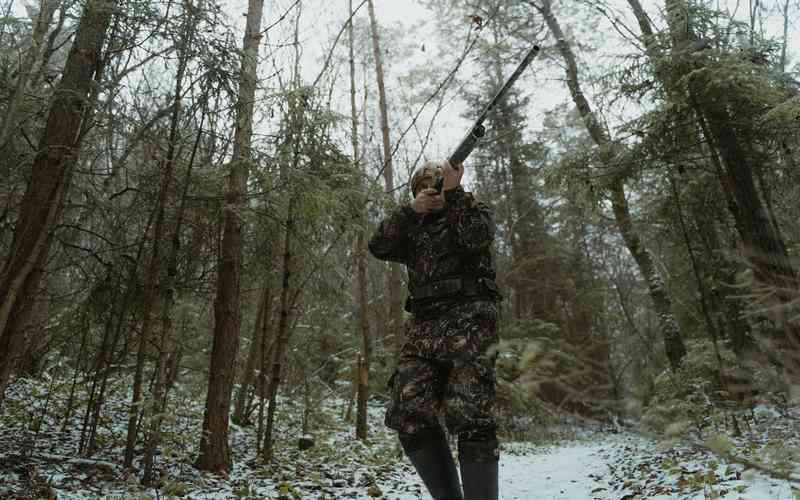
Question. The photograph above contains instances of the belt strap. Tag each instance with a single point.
(460, 285)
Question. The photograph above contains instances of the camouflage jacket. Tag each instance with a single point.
(453, 242)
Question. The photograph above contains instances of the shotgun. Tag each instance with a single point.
(477, 131)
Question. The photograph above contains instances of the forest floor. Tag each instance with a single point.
(581, 463)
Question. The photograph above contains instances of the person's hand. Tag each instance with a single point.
(452, 175)
(427, 201)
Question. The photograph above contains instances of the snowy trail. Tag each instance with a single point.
(614, 467)
(558, 473)
(561, 472)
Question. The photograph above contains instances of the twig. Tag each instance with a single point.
(280, 19)
(335, 42)
(470, 44)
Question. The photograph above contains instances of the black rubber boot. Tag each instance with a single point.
(479, 469)
(430, 454)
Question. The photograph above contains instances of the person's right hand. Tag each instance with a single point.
(427, 201)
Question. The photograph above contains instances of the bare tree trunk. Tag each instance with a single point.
(353, 392)
(360, 253)
(41, 205)
(266, 352)
(785, 42)
(104, 364)
(71, 397)
(668, 326)
(86, 443)
(294, 134)
(266, 344)
(214, 447)
(282, 336)
(262, 319)
(395, 299)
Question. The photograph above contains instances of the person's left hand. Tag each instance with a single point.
(452, 175)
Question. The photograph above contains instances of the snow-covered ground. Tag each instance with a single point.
(612, 467)
(590, 465)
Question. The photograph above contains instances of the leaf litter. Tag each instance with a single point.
(38, 459)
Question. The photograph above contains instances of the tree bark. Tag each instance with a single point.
(282, 336)
(93, 405)
(214, 446)
(254, 355)
(360, 253)
(263, 366)
(785, 35)
(52, 171)
(668, 326)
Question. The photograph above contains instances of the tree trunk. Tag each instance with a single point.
(266, 350)
(785, 41)
(167, 354)
(395, 299)
(265, 345)
(89, 426)
(73, 385)
(282, 336)
(294, 135)
(668, 326)
(254, 355)
(214, 447)
(105, 361)
(52, 168)
(360, 253)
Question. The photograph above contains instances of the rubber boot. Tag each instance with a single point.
(430, 454)
(479, 461)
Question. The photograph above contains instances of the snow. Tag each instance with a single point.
(586, 470)
(590, 464)
(558, 472)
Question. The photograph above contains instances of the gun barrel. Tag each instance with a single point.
(477, 131)
(468, 144)
(511, 80)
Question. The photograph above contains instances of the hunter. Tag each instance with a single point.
(445, 372)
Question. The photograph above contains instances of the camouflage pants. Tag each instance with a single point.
(446, 368)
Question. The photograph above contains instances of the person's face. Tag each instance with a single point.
(426, 183)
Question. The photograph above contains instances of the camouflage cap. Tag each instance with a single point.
(428, 172)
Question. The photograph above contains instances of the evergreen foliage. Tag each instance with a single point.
(698, 112)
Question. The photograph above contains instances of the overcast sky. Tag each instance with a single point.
(543, 81)
(322, 20)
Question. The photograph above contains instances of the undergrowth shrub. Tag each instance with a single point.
(693, 396)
